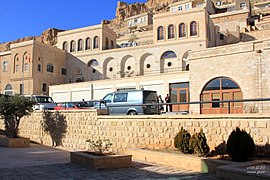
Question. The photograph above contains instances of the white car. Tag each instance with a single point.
(42, 102)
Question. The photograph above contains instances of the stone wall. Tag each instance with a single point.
(231, 61)
(144, 131)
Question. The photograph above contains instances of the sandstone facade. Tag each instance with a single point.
(184, 46)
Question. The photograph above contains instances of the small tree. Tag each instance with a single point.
(12, 109)
(181, 141)
(240, 145)
(132, 38)
(99, 146)
(198, 144)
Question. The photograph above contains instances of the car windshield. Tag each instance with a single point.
(44, 99)
(82, 104)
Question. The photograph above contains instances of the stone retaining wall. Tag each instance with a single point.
(144, 131)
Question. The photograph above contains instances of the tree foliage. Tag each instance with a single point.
(198, 144)
(181, 141)
(240, 145)
(12, 109)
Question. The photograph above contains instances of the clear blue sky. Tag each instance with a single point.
(20, 18)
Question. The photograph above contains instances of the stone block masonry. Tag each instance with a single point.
(154, 131)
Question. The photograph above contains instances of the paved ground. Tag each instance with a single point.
(41, 162)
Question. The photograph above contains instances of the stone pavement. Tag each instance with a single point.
(41, 162)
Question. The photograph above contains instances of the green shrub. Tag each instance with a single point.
(240, 145)
(198, 144)
(181, 141)
(12, 109)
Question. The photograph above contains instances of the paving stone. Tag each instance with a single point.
(52, 164)
(70, 172)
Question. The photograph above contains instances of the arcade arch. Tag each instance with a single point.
(128, 66)
(168, 61)
(109, 68)
(147, 64)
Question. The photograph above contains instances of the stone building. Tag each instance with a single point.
(192, 50)
(30, 67)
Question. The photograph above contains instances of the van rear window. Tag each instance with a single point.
(44, 99)
(149, 97)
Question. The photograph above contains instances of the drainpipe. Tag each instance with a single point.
(259, 59)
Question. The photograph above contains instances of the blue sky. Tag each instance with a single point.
(20, 18)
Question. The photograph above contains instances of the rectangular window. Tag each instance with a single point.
(179, 8)
(121, 97)
(26, 67)
(242, 5)
(221, 36)
(44, 87)
(187, 6)
(21, 89)
(64, 71)
(5, 63)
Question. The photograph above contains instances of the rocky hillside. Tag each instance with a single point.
(49, 37)
(125, 10)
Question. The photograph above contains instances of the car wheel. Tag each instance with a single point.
(132, 113)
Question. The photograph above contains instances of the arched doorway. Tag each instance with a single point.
(221, 88)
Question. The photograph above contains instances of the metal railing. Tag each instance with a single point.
(229, 103)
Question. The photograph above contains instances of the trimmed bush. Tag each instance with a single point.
(198, 144)
(240, 145)
(181, 141)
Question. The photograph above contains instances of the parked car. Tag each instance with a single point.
(42, 102)
(130, 102)
(75, 105)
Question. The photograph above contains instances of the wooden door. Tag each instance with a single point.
(180, 95)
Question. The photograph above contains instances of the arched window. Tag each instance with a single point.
(8, 89)
(39, 67)
(160, 33)
(168, 54)
(182, 30)
(193, 29)
(80, 45)
(50, 68)
(106, 43)
(171, 31)
(221, 89)
(96, 42)
(65, 46)
(72, 46)
(87, 43)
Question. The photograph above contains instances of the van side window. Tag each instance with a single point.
(108, 98)
(120, 97)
